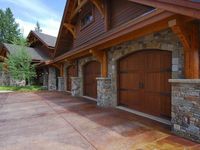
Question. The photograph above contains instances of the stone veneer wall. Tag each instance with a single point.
(186, 108)
(164, 40)
(76, 86)
(52, 79)
(45, 78)
(61, 84)
(104, 92)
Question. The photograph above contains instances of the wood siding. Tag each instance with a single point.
(91, 31)
(118, 13)
(123, 11)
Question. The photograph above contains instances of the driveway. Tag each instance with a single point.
(57, 121)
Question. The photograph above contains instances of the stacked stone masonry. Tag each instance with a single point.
(52, 79)
(186, 108)
(61, 86)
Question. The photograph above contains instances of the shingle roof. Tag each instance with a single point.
(47, 39)
(35, 53)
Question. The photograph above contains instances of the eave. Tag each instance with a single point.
(146, 24)
(183, 7)
(37, 37)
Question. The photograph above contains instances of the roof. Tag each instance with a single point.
(49, 40)
(36, 54)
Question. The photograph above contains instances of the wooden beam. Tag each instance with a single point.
(107, 18)
(180, 30)
(102, 58)
(128, 31)
(183, 7)
(100, 6)
(76, 11)
(71, 28)
(188, 35)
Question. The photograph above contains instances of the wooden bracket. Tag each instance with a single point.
(80, 3)
(71, 28)
(188, 35)
(99, 5)
(181, 31)
(102, 58)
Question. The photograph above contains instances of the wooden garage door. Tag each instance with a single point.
(71, 72)
(91, 71)
(143, 82)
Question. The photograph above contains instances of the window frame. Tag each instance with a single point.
(91, 10)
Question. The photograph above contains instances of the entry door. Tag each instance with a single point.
(143, 82)
(71, 72)
(91, 71)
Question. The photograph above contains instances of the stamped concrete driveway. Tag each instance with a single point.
(57, 121)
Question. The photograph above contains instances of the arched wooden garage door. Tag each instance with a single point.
(143, 82)
(91, 71)
(71, 72)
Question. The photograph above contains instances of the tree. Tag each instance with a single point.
(20, 66)
(38, 28)
(9, 29)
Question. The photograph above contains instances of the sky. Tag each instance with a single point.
(27, 12)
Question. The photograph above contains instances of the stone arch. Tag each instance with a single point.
(149, 42)
(83, 62)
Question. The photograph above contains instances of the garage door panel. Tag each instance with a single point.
(91, 71)
(152, 61)
(152, 103)
(166, 86)
(143, 82)
(165, 106)
(152, 82)
(129, 80)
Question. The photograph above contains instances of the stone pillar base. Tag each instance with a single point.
(76, 86)
(52, 79)
(104, 92)
(61, 84)
(186, 108)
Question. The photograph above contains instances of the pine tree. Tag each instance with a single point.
(38, 28)
(9, 29)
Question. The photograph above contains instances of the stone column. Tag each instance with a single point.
(61, 86)
(186, 108)
(45, 79)
(52, 79)
(76, 86)
(104, 92)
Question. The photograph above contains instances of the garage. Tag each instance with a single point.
(71, 72)
(91, 71)
(143, 82)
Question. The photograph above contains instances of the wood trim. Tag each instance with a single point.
(76, 11)
(107, 17)
(182, 7)
(37, 37)
(71, 28)
(100, 6)
(103, 59)
(152, 22)
(188, 34)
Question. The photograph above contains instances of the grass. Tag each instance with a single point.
(21, 89)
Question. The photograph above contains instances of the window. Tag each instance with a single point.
(87, 19)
